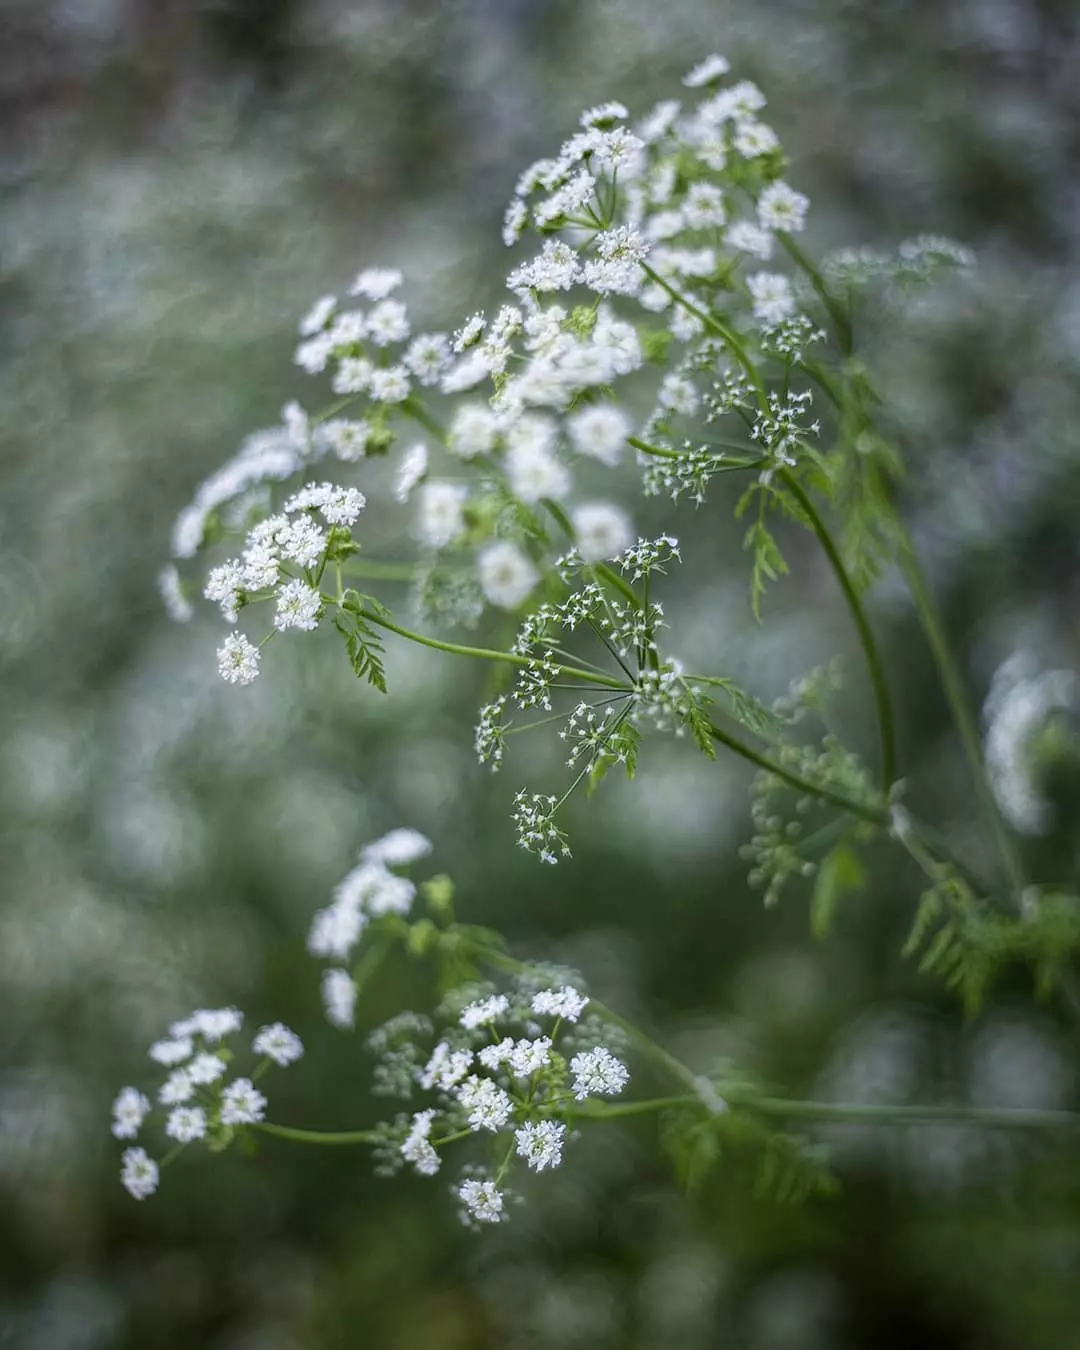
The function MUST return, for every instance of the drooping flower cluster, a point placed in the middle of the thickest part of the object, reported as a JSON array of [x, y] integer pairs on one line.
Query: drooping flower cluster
[[372, 890], [197, 1099]]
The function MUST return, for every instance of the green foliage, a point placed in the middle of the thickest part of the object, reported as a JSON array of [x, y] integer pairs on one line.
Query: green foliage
[[362, 641], [839, 873], [784, 1167], [969, 944], [769, 564], [749, 711]]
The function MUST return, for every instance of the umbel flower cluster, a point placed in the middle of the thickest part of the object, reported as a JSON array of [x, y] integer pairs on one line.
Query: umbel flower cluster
[[510, 1068], [662, 324]]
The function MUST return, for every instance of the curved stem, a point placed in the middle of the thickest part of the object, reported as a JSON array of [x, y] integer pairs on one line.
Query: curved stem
[[862, 624], [318, 1136], [836, 311], [720, 329], [953, 684], [875, 814], [485, 654]]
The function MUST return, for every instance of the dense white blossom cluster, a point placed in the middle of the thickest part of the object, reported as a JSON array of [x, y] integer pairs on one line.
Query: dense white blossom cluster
[[502, 1068], [195, 1100]]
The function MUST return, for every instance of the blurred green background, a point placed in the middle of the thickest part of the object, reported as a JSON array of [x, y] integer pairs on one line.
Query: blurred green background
[[179, 181]]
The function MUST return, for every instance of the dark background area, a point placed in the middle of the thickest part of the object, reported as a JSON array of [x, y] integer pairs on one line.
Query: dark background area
[[179, 181]]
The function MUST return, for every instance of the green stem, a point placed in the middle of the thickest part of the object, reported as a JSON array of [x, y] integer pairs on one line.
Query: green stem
[[416, 410], [485, 654], [994, 1118], [719, 328], [836, 311], [953, 684], [318, 1136], [875, 814], [862, 624]]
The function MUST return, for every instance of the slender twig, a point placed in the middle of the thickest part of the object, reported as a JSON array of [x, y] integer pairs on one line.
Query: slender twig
[[862, 624], [485, 654]]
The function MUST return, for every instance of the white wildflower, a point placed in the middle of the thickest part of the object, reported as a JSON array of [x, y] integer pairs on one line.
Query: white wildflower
[[540, 1143], [376, 283], [205, 1068], [186, 1124], [177, 606], [528, 1057], [172, 1051], [482, 1199], [411, 470], [139, 1173], [129, 1111], [348, 439], [178, 1087], [598, 1073], [353, 375], [390, 385], [442, 513], [705, 72], [278, 1043], [484, 1012], [314, 321], [678, 394], [387, 323], [398, 848], [427, 356], [747, 237], [339, 998], [299, 606], [417, 1147], [565, 1003], [772, 297], [506, 574], [599, 432], [780, 207], [446, 1068], [602, 530], [474, 431], [238, 660], [488, 1107], [242, 1103]]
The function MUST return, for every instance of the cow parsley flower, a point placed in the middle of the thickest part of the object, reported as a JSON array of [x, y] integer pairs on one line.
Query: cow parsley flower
[[565, 1003], [242, 1103], [707, 72], [540, 1143], [298, 606], [177, 605], [388, 323], [376, 283], [417, 1147], [602, 531], [484, 1012], [442, 513], [238, 660], [772, 297], [600, 432], [339, 993], [398, 848], [186, 1124], [129, 1111], [506, 574], [205, 1068], [390, 385], [315, 320], [486, 1104], [139, 1173], [278, 1043], [598, 1073], [446, 1068], [780, 207], [482, 1199], [178, 1087], [173, 1050]]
